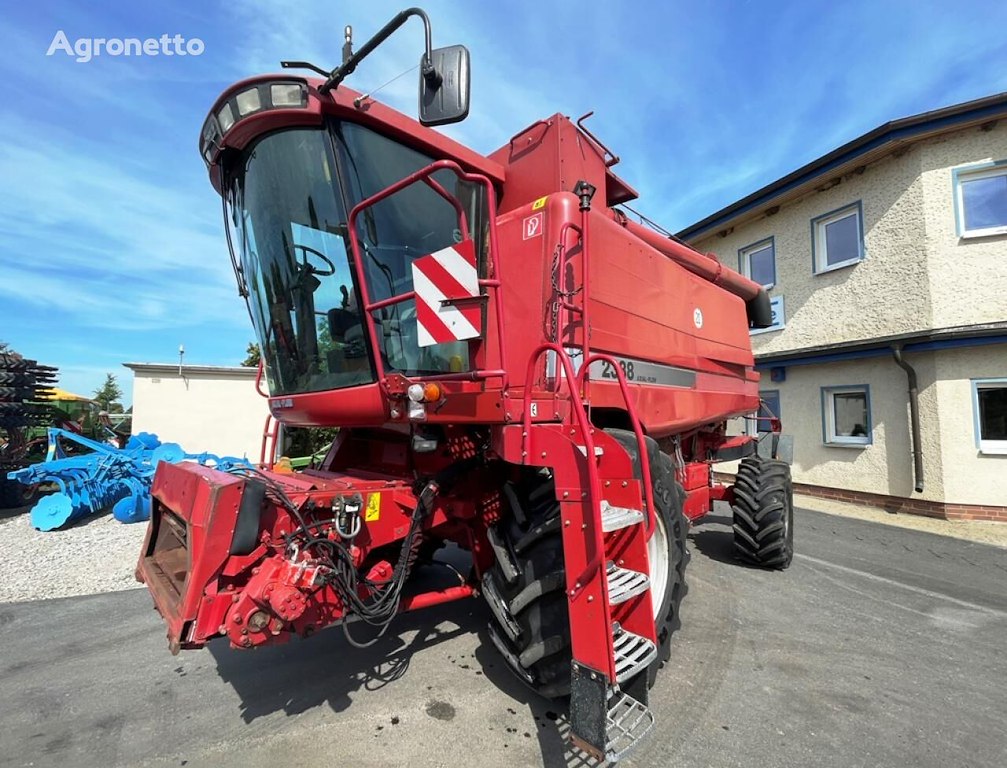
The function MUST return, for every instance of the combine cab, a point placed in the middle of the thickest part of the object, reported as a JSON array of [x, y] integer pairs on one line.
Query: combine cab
[[515, 367]]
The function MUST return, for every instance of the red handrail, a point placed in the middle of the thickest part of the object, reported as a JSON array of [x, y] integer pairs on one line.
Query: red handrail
[[258, 380], [588, 357], [634, 419], [560, 264], [268, 435], [594, 483], [495, 283]]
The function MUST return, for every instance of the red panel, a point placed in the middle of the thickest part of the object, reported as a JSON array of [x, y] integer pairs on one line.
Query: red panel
[[547, 157]]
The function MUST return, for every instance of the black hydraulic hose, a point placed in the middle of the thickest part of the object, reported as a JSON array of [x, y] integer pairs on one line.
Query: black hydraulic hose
[[914, 416]]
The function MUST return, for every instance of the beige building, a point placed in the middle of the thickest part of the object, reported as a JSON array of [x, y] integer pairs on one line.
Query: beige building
[[203, 408], [886, 262]]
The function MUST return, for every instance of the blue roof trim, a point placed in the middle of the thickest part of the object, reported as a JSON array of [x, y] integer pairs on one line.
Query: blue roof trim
[[896, 130]]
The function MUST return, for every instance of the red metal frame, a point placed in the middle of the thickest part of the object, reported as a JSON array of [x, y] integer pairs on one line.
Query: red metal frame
[[495, 283], [634, 420], [586, 434]]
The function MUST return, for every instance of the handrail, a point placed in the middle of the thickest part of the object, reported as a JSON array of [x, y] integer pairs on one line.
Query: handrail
[[258, 380], [561, 262], [267, 437], [594, 483], [494, 263], [648, 488]]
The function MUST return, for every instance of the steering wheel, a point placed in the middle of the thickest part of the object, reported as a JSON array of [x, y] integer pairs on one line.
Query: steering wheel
[[308, 250]]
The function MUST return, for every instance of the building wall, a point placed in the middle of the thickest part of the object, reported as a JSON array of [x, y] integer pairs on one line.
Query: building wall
[[884, 466], [955, 471], [968, 278], [218, 413], [917, 275], [970, 477], [886, 293]]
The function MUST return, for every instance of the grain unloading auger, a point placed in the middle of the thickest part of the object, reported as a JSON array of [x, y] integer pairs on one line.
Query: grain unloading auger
[[516, 368]]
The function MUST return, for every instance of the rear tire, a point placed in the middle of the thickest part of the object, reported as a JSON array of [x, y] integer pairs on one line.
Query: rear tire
[[525, 588], [764, 513]]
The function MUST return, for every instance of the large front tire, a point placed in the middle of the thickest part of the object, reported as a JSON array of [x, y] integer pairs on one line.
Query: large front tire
[[525, 588]]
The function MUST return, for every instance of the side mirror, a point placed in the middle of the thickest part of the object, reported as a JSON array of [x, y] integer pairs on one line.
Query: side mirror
[[444, 86]]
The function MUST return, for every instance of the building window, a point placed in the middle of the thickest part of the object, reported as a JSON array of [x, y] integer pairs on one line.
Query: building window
[[989, 407], [758, 262], [981, 199], [846, 415], [837, 238]]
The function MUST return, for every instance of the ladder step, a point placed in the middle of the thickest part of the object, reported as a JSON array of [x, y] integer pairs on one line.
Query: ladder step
[[624, 584], [615, 518], [633, 653], [627, 723]]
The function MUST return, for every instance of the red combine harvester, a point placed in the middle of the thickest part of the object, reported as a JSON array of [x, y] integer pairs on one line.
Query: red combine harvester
[[515, 367]]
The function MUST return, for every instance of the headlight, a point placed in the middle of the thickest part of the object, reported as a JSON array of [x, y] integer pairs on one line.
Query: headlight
[[287, 94], [281, 95], [248, 102], [226, 118]]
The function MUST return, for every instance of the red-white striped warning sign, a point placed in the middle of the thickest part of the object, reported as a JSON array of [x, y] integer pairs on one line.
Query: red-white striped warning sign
[[449, 273]]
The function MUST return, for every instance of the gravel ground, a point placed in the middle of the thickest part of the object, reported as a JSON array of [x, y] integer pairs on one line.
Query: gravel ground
[[98, 555]]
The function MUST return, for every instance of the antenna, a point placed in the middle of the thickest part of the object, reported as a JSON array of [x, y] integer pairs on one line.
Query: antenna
[[181, 354]]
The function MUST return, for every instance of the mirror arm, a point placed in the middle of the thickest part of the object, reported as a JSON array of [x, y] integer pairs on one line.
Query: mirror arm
[[343, 71], [304, 65]]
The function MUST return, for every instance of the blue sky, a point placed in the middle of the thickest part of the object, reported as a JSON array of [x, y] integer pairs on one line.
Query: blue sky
[[111, 242]]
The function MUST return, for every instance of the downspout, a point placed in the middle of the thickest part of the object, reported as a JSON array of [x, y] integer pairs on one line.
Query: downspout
[[914, 415]]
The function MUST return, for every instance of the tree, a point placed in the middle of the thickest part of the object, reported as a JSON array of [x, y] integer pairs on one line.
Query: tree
[[108, 394], [252, 355]]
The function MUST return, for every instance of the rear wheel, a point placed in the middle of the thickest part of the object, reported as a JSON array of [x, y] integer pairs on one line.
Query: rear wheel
[[764, 513], [525, 588]]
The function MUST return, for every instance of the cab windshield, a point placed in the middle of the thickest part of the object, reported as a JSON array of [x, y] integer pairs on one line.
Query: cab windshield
[[287, 199]]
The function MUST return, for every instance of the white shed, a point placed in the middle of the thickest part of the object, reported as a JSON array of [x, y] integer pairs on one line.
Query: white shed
[[202, 407]]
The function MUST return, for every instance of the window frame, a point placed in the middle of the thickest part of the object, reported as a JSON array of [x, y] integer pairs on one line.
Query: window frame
[[991, 447], [829, 436], [744, 259], [970, 173], [818, 241]]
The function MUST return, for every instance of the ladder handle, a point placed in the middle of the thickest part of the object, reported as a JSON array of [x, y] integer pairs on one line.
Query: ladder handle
[[648, 488], [258, 381], [594, 483], [267, 436], [424, 175]]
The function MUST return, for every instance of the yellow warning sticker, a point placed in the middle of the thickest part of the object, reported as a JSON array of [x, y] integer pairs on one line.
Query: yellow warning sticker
[[373, 511], [540, 203]]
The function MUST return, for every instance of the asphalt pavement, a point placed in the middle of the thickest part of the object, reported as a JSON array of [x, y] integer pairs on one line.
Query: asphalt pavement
[[880, 646]]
